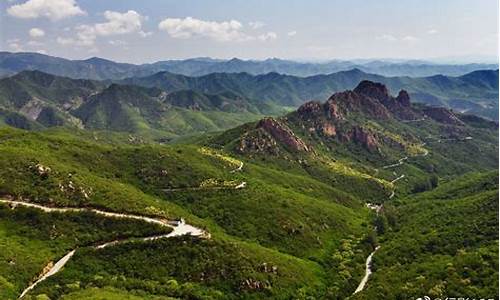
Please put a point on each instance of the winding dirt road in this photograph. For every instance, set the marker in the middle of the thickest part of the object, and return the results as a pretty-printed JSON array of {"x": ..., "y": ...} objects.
[
  {"x": 179, "y": 228},
  {"x": 377, "y": 209}
]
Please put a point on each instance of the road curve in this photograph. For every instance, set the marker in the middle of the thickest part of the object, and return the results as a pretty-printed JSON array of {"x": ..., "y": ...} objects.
[
  {"x": 179, "y": 228},
  {"x": 377, "y": 208}
]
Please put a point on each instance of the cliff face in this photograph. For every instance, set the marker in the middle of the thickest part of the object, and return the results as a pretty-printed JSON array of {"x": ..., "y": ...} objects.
[
  {"x": 442, "y": 115},
  {"x": 400, "y": 107},
  {"x": 268, "y": 135},
  {"x": 282, "y": 133},
  {"x": 363, "y": 116}
]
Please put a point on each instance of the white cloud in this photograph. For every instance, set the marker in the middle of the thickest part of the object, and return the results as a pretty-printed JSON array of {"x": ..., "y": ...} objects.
[
  {"x": 225, "y": 31},
  {"x": 432, "y": 31},
  {"x": 41, "y": 51},
  {"x": 409, "y": 38},
  {"x": 268, "y": 36},
  {"x": 36, "y": 32},
  {"x": 256, "y": 24},
  {"x": 392, "y": 38},
  {"x": 145, "y": 33},
  {"x": 190, "y": 27},
  {"x": 65, "y": 41},
  {"x": 51, "y": 9},
  {"x": 117, "y": 24},
  {"x": 15, "y": 46},
  {"x": 117, "y": 43},
  {"x": 34, "y": 43},
  {"x": 386, "y": 37},
  {"x": 292, "y": 33}
]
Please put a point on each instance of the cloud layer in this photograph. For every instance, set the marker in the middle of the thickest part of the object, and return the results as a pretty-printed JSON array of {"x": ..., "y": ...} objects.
[
  {"x": 218, "y": 31},
  {"x": 51, "y": 9},
  {"x": 36, "y": 32},
  {"x": 117, "y": 24}
]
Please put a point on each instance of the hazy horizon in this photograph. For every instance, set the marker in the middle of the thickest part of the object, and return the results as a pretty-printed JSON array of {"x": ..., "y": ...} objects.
[
  {"x": 437, "y": 60},
  {"x": 150, "y": 30}
]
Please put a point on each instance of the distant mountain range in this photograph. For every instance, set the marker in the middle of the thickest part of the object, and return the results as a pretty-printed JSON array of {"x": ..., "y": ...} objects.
[
  {"x": 101, "y": 69},
  {"x": 475, "y": 92},
  {"x": 169, "y": 105},
  {"x": 33, "y": 99}
]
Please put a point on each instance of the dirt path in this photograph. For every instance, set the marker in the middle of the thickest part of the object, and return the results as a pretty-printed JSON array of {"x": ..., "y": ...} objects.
[
  {"x": 368, "y": 272},
  {"x": 179, "y": 228},
  {"x": 377, "y": 209}
]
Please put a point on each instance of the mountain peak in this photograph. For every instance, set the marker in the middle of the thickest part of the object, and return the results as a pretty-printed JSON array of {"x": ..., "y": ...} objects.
[
  {"x": 235, "y": 60},
  {"x": 97, "y": 60},
  {"x": 403, "y": 98},
  {"x": 372, "y": 89}
]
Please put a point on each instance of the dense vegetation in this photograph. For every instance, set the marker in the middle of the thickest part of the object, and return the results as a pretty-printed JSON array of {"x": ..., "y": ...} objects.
[
  {"x": 303, "y": 219},
  {"x": 441, "y": 243},
  {"x": 284, "y": 199},
  {"x": 34, "y": 100},
  {"x": 30, "y": 239},
  {"x": 453, "y": 92}
]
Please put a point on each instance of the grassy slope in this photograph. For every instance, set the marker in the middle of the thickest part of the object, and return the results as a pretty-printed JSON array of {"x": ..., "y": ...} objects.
[
  {"x": 286, "y": 218},
  {"x": 444, "y": 243},
  {"x": 309, "y": 213},
  {"x": 29, "y": 239}
]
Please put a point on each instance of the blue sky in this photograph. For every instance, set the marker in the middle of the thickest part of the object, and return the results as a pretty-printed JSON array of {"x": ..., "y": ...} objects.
[{"x": 151, "y": 30}]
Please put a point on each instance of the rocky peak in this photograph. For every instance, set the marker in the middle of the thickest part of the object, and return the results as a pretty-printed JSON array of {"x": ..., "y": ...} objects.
[
  {"x": 314, "y": 110},
  {"x": 347, "y": 102},
  {"x": 372, "y": 89},
  {"x": 310, "y": 109},
  {"x": 403, "y": 98},
  {"x": 282, "y": 133},
  {"x": 399, "y": 106}
]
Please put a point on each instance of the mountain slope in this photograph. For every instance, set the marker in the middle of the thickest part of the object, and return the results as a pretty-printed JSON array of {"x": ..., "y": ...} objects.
[
  {"x": 32, "y": 99},
  {"x": 368, "y": 129},
  {"x": 475, "y": 92},
  {"x": 279, "y": 225},
  {"x": 284, "y": 199},
  {"x": 441, "y": 243},
  {"x": 45, "y": 98}
]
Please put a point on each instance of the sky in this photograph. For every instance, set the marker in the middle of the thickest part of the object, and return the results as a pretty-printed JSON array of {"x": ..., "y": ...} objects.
[{"x": 152, "y": 30}]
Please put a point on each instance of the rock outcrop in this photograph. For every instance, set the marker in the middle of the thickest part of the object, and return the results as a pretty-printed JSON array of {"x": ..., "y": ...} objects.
[
  {"x": 345, "y": 117},
  {"x": 361, "y": 136},
  {"x": 350, "y": 102},
  {"x": 268, "y": 135},
  {"x": 400, "y": 106},
  {"x": 442, "y": 115},
  {"x": 403, "y": 98},
  {"x": 373, "y": 90},
  {"x": 283, "y": 134}
]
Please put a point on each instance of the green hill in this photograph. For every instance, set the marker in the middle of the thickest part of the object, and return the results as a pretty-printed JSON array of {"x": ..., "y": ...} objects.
[
  {"x": 32, "y": 99},
  {"x": 441, "y": 243},
  {"x": 282, "y": 219},
  {"x": 476, "y": 92},
  {"x": 284, "y": 200}
]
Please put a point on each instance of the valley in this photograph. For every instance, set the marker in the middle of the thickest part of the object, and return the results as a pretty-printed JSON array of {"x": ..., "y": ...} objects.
[
  {"x": 249, "y": 150},
  {"x": 314, "y": 202}
]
